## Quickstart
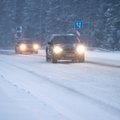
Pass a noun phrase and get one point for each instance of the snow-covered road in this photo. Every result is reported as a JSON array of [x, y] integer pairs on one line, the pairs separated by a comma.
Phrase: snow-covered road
[[32, 89]]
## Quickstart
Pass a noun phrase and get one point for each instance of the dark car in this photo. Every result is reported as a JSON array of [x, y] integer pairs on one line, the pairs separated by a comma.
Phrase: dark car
[[23, 46], [65, 47]]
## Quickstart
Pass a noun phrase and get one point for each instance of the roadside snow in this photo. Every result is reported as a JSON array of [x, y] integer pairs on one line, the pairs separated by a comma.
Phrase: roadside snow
[[103, 57]]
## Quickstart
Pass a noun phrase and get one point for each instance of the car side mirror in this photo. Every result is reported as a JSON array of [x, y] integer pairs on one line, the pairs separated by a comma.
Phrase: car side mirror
[[49, 43]]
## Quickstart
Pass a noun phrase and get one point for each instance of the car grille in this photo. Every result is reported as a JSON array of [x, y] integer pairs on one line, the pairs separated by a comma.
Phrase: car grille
[[69, 50], [29, 46]]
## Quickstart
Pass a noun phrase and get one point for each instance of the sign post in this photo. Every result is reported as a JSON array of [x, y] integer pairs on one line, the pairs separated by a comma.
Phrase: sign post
[[19, 32], [78, 25]]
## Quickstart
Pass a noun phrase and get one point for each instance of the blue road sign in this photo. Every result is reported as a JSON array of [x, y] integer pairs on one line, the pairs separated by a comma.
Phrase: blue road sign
[[78, 24]]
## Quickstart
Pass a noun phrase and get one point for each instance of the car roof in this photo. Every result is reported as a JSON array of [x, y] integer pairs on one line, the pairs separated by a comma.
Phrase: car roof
[[25, 41], [62, 35]]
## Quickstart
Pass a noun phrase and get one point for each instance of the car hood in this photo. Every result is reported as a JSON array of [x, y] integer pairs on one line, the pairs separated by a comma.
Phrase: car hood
[[68, 45]]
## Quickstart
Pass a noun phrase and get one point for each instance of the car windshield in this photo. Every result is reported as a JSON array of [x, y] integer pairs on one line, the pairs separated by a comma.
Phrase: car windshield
[[64, 40], [25, 41]]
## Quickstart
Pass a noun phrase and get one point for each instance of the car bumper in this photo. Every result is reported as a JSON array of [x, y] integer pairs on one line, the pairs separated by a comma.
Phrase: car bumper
[[68, 56], [27, 50]]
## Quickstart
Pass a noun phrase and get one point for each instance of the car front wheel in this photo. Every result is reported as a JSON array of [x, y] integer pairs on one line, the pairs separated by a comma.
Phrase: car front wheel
[[81, 58], [53, 59], [47, 58]]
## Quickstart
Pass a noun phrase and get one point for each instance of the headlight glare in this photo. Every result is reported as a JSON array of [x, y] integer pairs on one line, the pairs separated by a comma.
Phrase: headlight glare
[[57, 49], [80, 49], [22, 47], [36, 46]]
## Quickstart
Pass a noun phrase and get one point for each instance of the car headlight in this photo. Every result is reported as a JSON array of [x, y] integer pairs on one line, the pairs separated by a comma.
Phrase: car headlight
[[57, 49], [36, 46], [22, 47], [80, 49]]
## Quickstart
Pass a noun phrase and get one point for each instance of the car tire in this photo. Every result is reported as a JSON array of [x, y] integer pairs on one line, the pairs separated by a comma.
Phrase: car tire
[[16, 51], [47, 58], [53, 59], [81, 59]]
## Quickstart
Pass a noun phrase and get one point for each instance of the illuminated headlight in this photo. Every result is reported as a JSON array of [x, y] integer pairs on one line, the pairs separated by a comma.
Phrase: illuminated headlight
[[57, 49], [22, 47], [80, 49], [35, 46]]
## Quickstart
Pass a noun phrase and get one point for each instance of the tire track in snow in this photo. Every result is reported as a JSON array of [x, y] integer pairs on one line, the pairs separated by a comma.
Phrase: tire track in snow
[[102, 64], [88, 62], [99, 103]]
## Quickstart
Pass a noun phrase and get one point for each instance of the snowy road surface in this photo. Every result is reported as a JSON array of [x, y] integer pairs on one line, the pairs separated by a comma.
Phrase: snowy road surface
[[32, 89]]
